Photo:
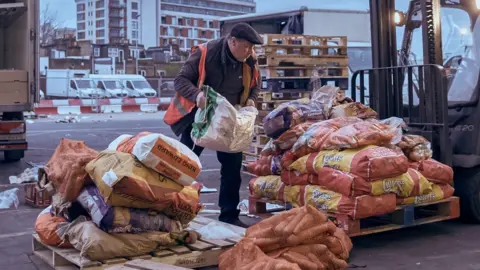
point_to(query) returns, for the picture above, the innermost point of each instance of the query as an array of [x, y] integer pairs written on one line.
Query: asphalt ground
[[444, 245]]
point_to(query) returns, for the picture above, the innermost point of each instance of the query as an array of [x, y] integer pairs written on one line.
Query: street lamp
[[137, 54]]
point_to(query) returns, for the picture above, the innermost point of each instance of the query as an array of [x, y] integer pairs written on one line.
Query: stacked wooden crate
[[289, 66]]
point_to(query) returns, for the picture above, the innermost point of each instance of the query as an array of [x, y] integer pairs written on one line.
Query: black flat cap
[[246, 32]]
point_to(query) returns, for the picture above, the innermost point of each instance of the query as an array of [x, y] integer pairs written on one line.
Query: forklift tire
[[468, 189], [13, 156]]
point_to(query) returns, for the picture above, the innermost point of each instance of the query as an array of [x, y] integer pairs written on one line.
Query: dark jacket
[[223, 74]]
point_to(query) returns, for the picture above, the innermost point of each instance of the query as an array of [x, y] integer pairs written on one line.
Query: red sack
[[312, 140], [289, 137], [439, 192], [360, 134], [46, 227], [434, 171]]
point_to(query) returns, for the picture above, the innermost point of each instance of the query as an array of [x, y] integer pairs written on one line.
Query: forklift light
[[463, 31], [399, 18]]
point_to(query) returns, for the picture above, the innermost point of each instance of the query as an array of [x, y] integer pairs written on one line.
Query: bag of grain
[[434, 171], [269, 187], [355, 207], [125, 182], [163, 154], [439, 192], [369, 162]]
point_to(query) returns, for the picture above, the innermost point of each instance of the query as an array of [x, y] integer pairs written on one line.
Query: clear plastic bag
[[9, 199]]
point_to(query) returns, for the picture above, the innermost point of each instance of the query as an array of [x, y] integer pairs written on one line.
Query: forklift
[[434, 98]]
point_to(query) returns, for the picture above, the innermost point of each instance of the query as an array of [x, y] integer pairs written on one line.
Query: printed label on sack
[[170, 155], [110, 178], [322, 199], [268, 187]]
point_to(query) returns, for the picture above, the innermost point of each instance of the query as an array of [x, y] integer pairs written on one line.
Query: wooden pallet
[[301, 50], [302, 84], [404, 216], [260, 140], [203, 253], [291, 61], [289, 39], [302, 72]]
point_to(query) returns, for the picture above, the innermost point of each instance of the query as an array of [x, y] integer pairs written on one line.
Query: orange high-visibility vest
[[180, 106]]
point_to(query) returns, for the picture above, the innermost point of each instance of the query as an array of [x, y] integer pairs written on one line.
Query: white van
[[113, 87], [136, 84], [71, 83]]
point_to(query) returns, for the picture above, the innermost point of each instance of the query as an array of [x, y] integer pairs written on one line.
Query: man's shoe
[[236, 222]]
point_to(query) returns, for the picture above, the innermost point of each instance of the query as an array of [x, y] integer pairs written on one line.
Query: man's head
[[241, 40]]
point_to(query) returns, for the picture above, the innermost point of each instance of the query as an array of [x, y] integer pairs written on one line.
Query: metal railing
[[421, 100]]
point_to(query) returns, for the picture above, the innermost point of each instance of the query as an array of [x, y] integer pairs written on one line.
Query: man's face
[[241, 49]]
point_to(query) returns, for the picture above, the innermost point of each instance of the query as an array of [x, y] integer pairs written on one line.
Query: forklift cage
[[426, 84]]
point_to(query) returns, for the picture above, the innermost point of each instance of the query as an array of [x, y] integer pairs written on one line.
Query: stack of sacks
[[301, 238], [138, 194], [353, 164]]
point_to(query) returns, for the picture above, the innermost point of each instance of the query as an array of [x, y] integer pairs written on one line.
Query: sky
[[66, 8], [66, 14]]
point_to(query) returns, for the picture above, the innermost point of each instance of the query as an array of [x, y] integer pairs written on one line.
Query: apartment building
[[112, 21], [155, 22], [191, 22]]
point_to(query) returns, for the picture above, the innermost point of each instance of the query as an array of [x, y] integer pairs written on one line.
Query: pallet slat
[[403, 217], [203, 253]]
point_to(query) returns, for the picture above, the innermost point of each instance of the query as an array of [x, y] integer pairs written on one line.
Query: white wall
[[356, 26], [148, 23]]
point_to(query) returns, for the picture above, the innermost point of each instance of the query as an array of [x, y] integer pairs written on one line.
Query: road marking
[[15, 234], [210, 170]]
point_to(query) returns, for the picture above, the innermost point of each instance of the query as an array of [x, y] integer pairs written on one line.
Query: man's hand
[[250, 103], [201, 101]]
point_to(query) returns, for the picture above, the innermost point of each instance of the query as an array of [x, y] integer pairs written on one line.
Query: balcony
[[116, 25], [115, 15], [118, 40]]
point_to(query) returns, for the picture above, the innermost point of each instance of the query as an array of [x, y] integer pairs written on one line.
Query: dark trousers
[[230, 180]]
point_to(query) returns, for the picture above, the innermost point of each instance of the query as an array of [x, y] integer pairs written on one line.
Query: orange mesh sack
[[360, 134], [332, 202], [289, 137], [245, 255], [369, 162], [66, 168], [46, 227], [261, 167], [434, 171], [439, 192], [356, 109], [162, 154], [312, 140], [304, 225], [123, 181], [269, 187], [310, 257]]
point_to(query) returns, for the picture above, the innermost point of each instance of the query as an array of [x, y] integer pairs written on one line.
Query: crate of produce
[[202, 253], [35, 197]]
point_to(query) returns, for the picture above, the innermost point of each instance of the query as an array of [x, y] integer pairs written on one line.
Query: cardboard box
[[13, 87]]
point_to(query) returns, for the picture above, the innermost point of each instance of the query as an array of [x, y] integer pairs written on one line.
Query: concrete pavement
[[446, 245]]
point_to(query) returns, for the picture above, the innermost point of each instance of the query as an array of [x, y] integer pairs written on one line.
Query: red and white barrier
[[114, 105]]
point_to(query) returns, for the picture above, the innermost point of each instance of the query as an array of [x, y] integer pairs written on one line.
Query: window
[[134, 25], [190, 33], [100, 33], [135, 34], [195, 42], [100, 4], [134, 5], [130, 85], [100, 23], [100, 13], [72, 85], [170, 31], [180, 21], [96, 51], [174, 20], [195, 33], [164, 20], [134, 15], [195, 22], [80, 16], [81, 26], [100, 41], [80, 7], [81, 35]]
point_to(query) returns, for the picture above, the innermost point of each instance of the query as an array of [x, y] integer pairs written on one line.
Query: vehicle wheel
[[12, 116], [13, 156], [468, 189]]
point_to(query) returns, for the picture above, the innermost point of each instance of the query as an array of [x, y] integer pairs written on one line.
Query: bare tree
[[49, 24]]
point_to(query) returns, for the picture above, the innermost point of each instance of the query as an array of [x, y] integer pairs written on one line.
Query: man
[[226, 65]]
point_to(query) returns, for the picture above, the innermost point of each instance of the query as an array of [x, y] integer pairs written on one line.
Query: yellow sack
[[269, 187], [408, 184], [439, 192], [369, 162], [336, 203], [123, 181]]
